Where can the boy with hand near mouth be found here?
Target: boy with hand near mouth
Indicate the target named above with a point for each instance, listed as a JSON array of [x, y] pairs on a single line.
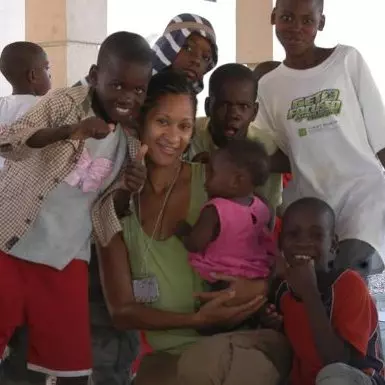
[[328, 316]]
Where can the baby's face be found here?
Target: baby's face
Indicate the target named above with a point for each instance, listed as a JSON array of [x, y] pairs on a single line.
[[221, 176]]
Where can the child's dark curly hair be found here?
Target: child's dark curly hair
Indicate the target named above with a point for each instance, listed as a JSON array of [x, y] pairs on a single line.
[[251, 156]]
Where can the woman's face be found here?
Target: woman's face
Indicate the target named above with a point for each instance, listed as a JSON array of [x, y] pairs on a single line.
[[168, 128], [195, 57]]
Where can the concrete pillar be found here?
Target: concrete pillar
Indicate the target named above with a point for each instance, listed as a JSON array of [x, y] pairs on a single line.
[[70, 31], [254, 32]]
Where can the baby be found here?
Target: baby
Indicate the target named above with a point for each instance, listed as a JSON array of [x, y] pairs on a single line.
[[231, 236]]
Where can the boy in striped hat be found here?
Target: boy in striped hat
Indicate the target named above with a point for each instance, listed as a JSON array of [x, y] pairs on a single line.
[[188, 44]]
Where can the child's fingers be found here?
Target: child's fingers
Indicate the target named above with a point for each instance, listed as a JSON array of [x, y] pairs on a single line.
[[142, 152]]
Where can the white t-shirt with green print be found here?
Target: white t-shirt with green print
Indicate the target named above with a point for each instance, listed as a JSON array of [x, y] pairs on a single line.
[[330, 121]]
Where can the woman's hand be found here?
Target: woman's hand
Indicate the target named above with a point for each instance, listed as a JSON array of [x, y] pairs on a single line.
[[218, 312], [245, 290]]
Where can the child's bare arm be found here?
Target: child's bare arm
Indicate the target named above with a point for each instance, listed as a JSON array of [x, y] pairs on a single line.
[[45, 124], [381, 157], [92, 127], [196, 238], [202, 157], [329, 344]]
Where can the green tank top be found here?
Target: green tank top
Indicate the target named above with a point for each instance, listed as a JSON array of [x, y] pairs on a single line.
[[167, 261]]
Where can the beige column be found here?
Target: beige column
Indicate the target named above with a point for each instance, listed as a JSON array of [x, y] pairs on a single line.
[[70, 31], [254, 31]]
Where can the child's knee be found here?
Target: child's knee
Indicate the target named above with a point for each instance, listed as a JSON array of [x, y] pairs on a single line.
[[341, 374]]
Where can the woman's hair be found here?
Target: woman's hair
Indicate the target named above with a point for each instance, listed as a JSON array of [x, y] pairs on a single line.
[[250, 156], [167, 83]]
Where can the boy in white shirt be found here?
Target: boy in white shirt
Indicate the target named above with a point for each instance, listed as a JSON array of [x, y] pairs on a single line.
[[26, 67], [329, 119]]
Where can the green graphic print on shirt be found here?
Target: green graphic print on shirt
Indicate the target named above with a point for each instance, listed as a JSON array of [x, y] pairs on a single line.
[[319, 105]]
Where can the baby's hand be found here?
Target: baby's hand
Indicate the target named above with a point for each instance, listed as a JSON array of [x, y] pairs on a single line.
[[182, 229], [270, 318], [202, 157]]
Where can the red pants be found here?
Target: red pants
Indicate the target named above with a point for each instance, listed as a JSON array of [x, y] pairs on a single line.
[[54, 306]]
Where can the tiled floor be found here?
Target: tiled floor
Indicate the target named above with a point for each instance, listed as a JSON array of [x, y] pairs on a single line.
[[377, 287], [380, 299]]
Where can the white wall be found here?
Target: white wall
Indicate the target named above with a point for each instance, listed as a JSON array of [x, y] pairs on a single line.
[[12, 22], [355, 23], [150, 17]]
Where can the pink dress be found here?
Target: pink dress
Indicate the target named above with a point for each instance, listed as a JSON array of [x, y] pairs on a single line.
[[244, 247]]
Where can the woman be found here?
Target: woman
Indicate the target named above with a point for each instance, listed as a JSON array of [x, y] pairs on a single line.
[[150, 259], [194, 52], [188, 44]]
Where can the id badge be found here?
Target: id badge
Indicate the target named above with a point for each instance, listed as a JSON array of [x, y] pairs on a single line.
[[146, 289]]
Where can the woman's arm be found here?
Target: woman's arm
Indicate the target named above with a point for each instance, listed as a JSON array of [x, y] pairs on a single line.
[[116, 279], [115, 274]]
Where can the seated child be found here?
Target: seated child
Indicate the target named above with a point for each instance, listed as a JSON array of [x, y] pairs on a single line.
[[231, 109], [328, 315], [231, 235]]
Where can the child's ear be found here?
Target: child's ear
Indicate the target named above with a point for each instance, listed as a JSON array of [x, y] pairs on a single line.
[[93, 75], [256, 108], [31, 76], [207, 106], [273, 17], [334, 246], [322, 23]]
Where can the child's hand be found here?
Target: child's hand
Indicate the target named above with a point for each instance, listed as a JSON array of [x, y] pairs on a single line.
[[91, 128], [202, 157], [135, 172], [302, 278], [271, 319], [182, 229]]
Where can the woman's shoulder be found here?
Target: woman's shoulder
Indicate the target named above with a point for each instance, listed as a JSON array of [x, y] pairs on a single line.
[[197, 172]]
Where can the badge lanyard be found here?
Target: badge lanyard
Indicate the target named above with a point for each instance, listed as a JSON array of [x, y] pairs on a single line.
[[146, 288]]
